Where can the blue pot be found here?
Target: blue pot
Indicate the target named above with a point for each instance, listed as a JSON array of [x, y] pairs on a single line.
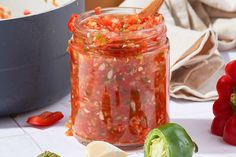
[[34, 64]]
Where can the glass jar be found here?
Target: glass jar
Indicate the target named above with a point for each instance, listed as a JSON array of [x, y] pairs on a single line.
[[119, 87]]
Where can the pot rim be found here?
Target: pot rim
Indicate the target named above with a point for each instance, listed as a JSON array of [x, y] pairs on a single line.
[[39, 13]]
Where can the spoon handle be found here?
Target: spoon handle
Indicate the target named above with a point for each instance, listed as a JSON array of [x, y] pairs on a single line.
[[152, 8]]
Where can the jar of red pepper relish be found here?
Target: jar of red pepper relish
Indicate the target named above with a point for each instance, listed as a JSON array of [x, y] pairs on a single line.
[[119, 76]]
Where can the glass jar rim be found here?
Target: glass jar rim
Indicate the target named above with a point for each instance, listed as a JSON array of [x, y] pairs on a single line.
[[107, 11]]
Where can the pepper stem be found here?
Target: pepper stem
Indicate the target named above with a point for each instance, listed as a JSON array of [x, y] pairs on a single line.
[[196, 147], [233, 99]]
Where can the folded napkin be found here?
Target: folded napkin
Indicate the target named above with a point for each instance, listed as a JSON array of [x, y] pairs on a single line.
[[201, 14], [193, 29], [195, 64]]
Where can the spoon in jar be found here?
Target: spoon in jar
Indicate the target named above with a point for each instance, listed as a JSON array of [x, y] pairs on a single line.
[[152, 8]]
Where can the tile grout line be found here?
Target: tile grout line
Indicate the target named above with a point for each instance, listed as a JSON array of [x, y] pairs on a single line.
[[12, 136], [27, 134]]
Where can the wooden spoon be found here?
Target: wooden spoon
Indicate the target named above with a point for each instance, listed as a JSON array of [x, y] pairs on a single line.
[[152, 8]]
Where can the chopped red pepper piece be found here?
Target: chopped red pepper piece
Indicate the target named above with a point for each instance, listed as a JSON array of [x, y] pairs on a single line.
[[4, 13], [45, 119], [116, 23], [26, 12], [98, 10], [71, 22]]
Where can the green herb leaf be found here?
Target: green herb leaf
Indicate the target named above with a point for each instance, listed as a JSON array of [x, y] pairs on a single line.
[[48, 154], [100, 39]]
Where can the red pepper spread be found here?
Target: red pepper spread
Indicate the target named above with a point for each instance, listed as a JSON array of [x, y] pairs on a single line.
[[119, 77]]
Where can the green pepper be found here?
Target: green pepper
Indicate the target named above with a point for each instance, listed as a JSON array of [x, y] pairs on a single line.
[[48, 154], [169, 140]]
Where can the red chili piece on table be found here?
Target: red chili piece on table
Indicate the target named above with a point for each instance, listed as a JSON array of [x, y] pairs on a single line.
[[224, 124], [45, 118]]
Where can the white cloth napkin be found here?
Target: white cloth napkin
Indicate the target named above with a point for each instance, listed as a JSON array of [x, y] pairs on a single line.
[[194, 58], [199, 15], [195, 64]]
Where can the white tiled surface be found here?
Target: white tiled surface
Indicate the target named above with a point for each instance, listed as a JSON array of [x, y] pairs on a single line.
[[17, 138], [21, 145], [8, 128]]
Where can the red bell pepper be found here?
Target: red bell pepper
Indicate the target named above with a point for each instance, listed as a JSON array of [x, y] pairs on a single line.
[[222, 107], [224, 124], [230, 70], [230, 131], [218, 124], [225, 86], [45, 118]]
